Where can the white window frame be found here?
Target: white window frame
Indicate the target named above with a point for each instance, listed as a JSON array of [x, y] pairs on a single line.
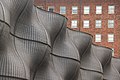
[[74, 24], [111, 23], [111, 9], [74, 9], [86, 9], [63, 8], [51, 7], [98, 23], [110, 37], [86, 24], [98, 9], [98, 38]]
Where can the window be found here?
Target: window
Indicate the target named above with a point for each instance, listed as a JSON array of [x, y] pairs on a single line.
[[74, 9], [110, 23], [110, 37], [111, 9], [98, 9], [113, 51], [62, 10], [51, 8], [98, 38], [86, 9], [98, 23], [74, 24], [41, 7], [86, 24]]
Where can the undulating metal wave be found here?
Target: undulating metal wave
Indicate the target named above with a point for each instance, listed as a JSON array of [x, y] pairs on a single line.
[[36, 45]]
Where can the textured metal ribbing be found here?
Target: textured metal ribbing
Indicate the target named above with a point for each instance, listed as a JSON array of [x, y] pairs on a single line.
[[36, 45], [116, 63], [11, 64], [111, 71], [80, 40]]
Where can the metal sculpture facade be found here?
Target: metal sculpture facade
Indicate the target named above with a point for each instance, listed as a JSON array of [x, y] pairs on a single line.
[[36, 45]]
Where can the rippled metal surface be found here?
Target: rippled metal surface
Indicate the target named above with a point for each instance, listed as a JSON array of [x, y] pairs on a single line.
[[36, 45]]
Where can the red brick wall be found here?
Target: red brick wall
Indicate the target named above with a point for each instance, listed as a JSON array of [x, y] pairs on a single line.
[[92, 17], [104, 17]]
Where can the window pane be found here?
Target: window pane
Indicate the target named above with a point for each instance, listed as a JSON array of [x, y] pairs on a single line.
[[98, 9], [111, 9], [113, 52], [74, 24], [62, 10], [74, 10], [86, 23], [86, 9], [110, 23], [98, 23], [41, 7], [98, 38], [110, 37], [51, 8]]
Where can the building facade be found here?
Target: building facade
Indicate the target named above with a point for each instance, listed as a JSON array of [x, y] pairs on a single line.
[[101, 18]]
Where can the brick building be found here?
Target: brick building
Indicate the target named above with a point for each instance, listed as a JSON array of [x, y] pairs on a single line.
[[101, 18]]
